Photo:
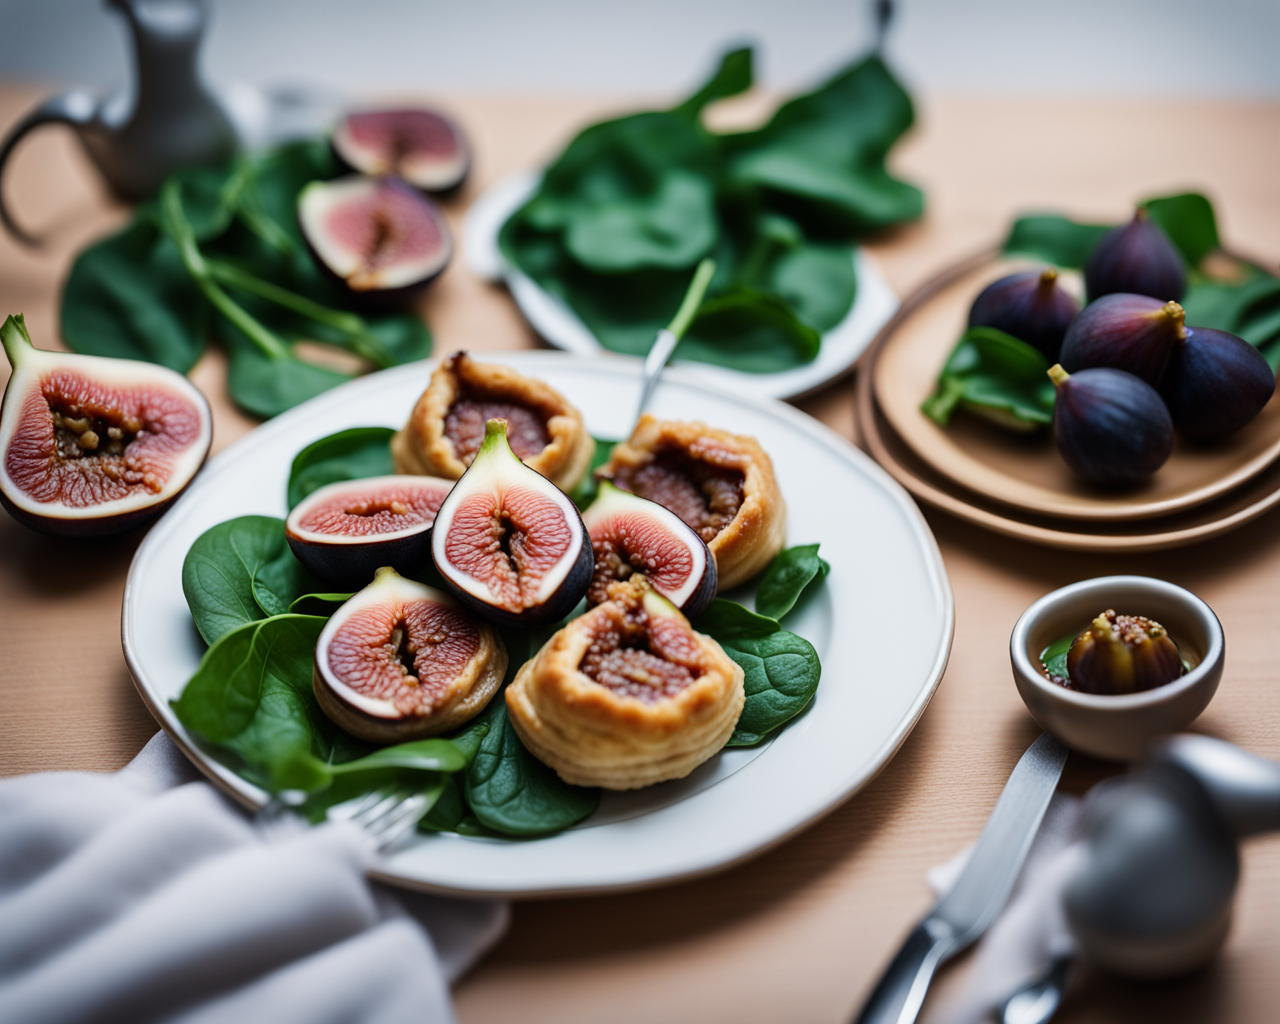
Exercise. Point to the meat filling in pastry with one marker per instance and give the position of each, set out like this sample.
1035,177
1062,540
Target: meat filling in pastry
720,484
627,695
447,425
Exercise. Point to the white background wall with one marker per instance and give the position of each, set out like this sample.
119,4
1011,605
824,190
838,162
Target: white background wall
1028,47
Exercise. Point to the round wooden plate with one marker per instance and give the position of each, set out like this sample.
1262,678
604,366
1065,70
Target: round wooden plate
1251,500
1024,471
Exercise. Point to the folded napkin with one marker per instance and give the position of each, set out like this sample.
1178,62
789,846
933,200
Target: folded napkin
1031,931
148,896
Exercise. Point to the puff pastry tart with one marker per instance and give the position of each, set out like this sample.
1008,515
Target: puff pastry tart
401,661
626,695
447,425
721,484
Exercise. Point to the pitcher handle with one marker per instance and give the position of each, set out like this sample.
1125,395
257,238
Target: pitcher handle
70,108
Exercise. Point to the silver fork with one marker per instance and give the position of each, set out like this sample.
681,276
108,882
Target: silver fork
385,815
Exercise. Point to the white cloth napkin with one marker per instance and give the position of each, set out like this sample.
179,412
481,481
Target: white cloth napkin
1031,931
148,896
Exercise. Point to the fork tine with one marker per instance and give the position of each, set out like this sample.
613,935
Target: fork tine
398,821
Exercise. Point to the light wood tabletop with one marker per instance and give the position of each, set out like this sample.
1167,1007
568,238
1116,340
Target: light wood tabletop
800,933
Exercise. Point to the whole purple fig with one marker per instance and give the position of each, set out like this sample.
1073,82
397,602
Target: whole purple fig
1137,258
1120,654
1111,427
1215,383
1030,306
1133,333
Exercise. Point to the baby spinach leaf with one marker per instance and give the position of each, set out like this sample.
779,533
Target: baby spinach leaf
1189,222
347,455
1054,238
728,620
996,376
787,577
423,755
130,297
1054,657
280,582
749,330
317,604
222,699
266,386
816,279
734,75
781,674
218,572
826,152
511,791
448,811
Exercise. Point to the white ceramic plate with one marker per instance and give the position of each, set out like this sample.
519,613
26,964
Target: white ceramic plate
560,326
886,571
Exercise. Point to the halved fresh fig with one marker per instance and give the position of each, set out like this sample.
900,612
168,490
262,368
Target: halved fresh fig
401,661
344,532
423,147
91,446
377,236
631,535
509,542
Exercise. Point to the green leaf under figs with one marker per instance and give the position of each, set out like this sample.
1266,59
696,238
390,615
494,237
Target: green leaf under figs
1052,237
352,454
1189,222
781,673
786,579
219,570
996,376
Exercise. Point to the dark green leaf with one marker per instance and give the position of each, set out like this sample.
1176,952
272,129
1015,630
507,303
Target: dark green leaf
210,196
130,297
818,281
280,582
511,791
1054,238
733,76
347,455
447,812
826,152
787,577
267,387
1054,657
749,330
781,674
996,376
423,755
219,570
1189,222
728,620
318,604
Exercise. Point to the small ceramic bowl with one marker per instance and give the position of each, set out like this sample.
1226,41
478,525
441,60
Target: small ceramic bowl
1118,728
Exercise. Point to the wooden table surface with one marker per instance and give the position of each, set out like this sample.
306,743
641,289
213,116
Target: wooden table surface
800,933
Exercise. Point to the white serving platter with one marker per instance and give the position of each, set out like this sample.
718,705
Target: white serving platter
886,571
873,307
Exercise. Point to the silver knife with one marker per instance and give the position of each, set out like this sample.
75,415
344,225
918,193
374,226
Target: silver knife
963,914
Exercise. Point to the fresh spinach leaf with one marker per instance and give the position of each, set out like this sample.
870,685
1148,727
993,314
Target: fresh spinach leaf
1054,238
786,579
222,699
781,673
1189,222
219,570
130,297
824,153
996,376
734,75
347,455
749,330
511,791
267,386
727,620
316,604
282,581
1054,657
422,755
447,812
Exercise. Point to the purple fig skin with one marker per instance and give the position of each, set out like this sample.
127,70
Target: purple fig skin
1133,333
1216,383
1029,306
1136,258
1111,427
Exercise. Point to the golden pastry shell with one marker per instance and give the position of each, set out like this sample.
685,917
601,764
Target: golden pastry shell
422,447
754,536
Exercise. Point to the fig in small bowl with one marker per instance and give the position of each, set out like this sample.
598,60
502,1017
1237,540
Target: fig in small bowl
1122,654
377,237
1137,258
423,147
345,531
1031,306
92,446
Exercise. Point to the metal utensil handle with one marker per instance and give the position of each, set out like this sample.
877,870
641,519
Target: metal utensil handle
665,343
900,993
70,108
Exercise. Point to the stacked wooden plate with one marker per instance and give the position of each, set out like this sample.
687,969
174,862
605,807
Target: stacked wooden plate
1017,484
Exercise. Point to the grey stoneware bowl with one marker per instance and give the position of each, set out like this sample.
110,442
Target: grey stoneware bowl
1118,728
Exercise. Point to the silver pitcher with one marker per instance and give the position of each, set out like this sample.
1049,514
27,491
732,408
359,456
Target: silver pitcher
173,122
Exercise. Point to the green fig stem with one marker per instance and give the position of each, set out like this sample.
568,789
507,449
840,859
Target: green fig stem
1058,375
17,342
693,298
264,339
495,437
1048,278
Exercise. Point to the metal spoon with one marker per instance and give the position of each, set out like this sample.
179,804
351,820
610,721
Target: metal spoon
664,345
